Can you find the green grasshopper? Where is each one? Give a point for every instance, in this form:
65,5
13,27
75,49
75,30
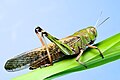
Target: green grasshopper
48,54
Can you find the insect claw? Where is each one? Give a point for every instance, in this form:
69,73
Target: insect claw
102,56
100,53
81,63
85,66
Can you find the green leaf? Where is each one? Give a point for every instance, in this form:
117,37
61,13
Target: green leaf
109,47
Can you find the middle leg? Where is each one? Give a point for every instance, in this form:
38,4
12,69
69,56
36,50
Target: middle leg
78,57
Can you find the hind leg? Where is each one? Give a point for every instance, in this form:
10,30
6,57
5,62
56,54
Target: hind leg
43,41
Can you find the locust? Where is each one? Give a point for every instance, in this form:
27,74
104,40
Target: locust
48,54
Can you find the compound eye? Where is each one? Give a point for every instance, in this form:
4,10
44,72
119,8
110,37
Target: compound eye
92,29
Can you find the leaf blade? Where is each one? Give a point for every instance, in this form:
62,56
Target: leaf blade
91,59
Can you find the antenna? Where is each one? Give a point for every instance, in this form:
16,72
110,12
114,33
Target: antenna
97,25
103,22
98,19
